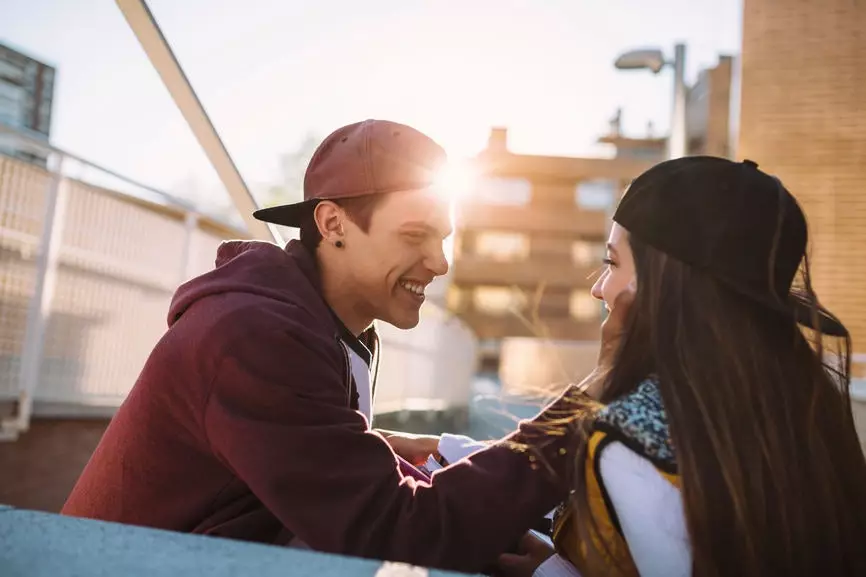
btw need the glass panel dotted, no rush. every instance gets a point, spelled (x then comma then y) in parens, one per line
(497, 300)
(502, 246)
(583, 306)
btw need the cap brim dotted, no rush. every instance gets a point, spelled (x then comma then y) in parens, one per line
(291, 215)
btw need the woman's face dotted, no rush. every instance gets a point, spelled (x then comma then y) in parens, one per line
(618, 269)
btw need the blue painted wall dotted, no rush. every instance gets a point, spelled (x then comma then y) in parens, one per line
(34, 544)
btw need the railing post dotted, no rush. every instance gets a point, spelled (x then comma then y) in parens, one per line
(39, 309)
(190, 225)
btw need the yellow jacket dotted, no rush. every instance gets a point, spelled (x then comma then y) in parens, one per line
(639, 422)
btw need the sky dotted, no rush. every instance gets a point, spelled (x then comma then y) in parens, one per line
(271, 72)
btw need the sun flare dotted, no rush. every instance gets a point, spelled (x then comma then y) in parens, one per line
(456, 180)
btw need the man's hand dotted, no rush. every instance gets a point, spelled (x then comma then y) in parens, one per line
(614, 325)
(532, 552)
(413, 448)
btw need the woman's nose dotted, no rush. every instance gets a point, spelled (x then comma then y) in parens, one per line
(596, 288)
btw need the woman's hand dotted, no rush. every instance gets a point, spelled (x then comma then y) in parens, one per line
(413, 448)
(532, 552)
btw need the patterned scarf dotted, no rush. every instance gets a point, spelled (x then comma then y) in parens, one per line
(639, 421)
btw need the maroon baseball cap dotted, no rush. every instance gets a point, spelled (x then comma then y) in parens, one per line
(369, 157)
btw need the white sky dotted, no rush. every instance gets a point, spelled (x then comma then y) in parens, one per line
(270, 71)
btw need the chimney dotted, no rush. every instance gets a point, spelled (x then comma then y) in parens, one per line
(498, 140)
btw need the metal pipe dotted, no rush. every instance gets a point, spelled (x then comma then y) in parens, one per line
(143, 24)
(678, 140)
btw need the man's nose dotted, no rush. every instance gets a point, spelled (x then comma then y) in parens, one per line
(437, 263)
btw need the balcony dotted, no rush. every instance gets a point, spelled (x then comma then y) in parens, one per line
(567, 220)
(491, 326)
(479, 270)
(565, 168)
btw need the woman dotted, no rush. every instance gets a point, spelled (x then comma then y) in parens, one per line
(723, 441)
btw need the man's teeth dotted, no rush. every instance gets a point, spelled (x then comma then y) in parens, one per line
(412, 287)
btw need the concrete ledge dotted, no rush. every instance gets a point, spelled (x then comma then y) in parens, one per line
(36, 544)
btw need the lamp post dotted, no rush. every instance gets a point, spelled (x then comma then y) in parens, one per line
(654, 60)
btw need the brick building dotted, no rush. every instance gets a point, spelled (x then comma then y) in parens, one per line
(803, 118)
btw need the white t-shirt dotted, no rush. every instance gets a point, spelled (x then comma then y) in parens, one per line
(361, 374)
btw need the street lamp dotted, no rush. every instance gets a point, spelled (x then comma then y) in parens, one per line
(654, 60)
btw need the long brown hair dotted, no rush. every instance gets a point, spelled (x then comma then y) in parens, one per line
(772, 474)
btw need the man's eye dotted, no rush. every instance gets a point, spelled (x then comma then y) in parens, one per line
(415, 236)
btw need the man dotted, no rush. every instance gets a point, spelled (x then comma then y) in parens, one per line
(250, 419)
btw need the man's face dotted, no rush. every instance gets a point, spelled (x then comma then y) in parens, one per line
(401, 253)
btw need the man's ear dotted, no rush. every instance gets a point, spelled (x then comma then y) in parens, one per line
(329, 219)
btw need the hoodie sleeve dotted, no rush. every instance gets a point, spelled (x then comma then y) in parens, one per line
(277, 416)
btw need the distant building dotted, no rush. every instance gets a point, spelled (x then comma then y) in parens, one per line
(528, 241)
(708, 111)
(26, 99)
(649, 147)
(708, 124)
(531, 236)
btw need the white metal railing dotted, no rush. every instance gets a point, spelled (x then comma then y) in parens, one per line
(429, 368)
(86, 276)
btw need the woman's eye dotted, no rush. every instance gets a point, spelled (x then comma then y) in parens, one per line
(608, 262)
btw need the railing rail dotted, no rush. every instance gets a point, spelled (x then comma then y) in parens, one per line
(109, 181)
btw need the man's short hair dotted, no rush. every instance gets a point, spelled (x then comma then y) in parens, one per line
(359, 209)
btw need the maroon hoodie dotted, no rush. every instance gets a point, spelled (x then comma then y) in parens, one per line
(242, 424)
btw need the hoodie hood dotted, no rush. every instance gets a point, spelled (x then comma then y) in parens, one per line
(259, 268)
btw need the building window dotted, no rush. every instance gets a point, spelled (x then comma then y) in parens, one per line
(583, 306)
(454, 298)
(503, 191)
(497, 300)
(595, 194)
(586, 253)
(502, 246)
